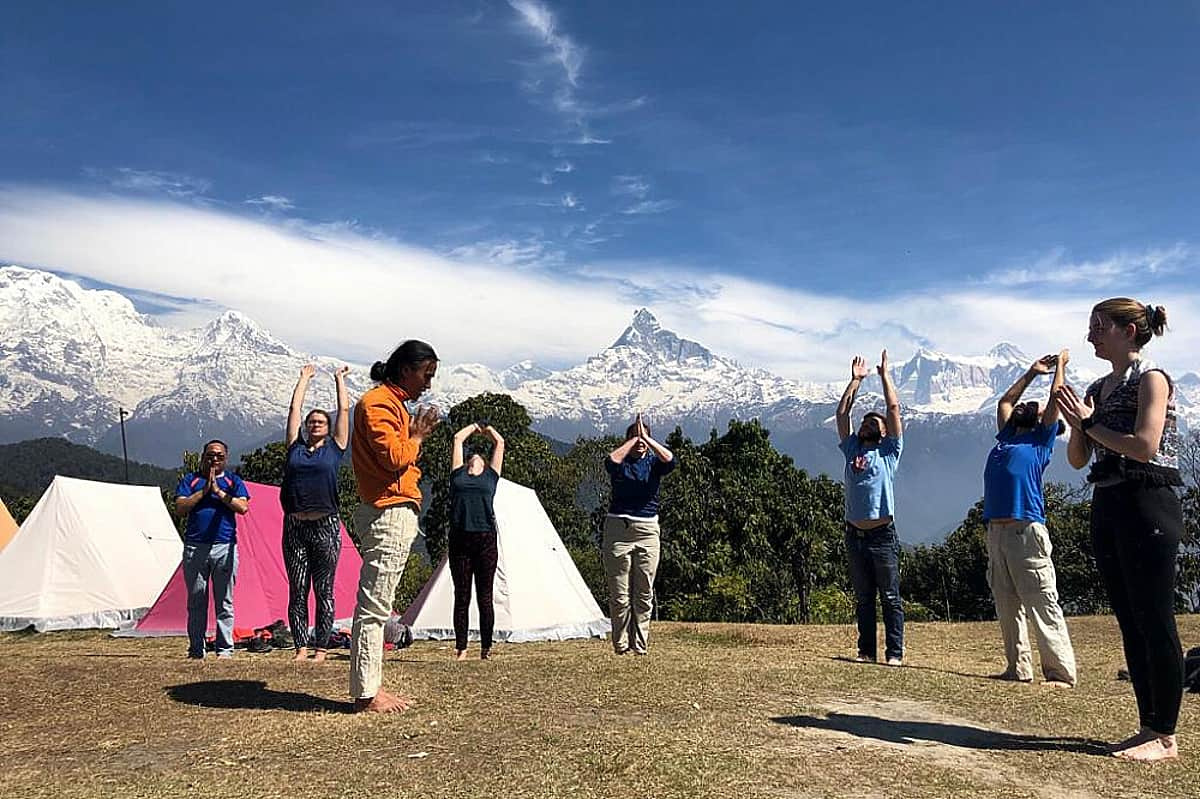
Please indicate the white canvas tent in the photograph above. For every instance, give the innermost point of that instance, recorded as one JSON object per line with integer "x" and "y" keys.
{"x": 538, "y": 593}
{"x": 89, "y": 555}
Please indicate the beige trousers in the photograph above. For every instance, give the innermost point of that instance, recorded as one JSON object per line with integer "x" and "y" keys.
{"x": 1023, "y": 584}
{"x": 630, "y": 552}
{"x": 385, "y": 538}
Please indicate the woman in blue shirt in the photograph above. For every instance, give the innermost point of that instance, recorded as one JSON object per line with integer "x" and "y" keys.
{"x": 312, "y": 530}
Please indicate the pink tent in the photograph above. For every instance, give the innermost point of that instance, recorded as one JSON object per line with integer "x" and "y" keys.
{"x": 260, "y": 595}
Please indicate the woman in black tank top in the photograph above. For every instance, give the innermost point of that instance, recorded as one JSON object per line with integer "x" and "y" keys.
{"x": 1126, "y": 424}
{"x": 472, "y": 547}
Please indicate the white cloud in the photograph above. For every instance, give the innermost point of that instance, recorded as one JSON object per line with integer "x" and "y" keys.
{"x": 631, "y": 186}
{"x": 274, "y": 202}
{"x": 545, "y": 179}
{"x": 649, "y": 207}
{"x": 173, "y": 184}
{"x": 564, "y": 167}
{"x": 569, "y": 200}
{"x": 564, "y": 51}
{"x": 374, "y": 291}
{"x": 1056, "y": 268}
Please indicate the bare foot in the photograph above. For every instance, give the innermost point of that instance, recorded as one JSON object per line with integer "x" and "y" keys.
{"x": 1057, "y": 684}
{"x": 1010, "y": 675}
{"x": 383, "y": 702}
{"x": 1138, "y": 738}
{"x": 461, "y": 655}
{"x": 1161, "y": 747}
{"x": 301, "y": 653}
{"x": 319, "y": 655}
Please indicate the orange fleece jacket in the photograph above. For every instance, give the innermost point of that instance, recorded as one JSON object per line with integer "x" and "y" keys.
{"x": 384, "y": 457}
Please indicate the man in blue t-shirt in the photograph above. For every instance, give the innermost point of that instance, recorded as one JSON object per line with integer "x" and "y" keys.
{"x": 872, "y": 547}
{"x": 212, "y": 499}
{"x": 1020, "y": 571}
{"x": 630, "y": 547}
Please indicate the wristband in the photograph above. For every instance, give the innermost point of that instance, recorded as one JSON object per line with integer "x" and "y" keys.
{"x": 1087, "y": 423}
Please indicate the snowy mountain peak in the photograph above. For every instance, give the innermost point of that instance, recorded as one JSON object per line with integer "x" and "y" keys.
{"x": 235, "y": 329}
{"x": 1004, "y": 351}
{"x": 646, "y": 335}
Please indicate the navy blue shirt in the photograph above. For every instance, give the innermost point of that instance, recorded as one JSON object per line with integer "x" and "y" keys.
{"x": 310, "y": 478}
{"x": 635, "y": 485}
{"x": 211, "y": 521}
{"x": 1012, "y": 479}
{"x": 472, "y": 497}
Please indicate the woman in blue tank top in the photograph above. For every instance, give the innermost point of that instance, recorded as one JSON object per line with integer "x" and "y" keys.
{"x": 312, "y": 529}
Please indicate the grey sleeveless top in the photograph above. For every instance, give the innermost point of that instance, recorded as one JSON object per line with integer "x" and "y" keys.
{"x": 1118, "y": 412}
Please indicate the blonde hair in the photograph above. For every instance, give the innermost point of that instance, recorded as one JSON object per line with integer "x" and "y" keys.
{"x": 1150, "y": 320}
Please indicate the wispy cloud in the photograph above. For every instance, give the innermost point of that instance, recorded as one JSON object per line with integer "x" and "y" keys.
{"x": 545, "y": 179}
{"x": 564, "y": 166}
{"x": 173, "y": 184}
{"x": 649, "y": 207}
{"x": 631, "y": 186}
{"x": 274, "y": 202}
{"x": 1057, "y": 268}
{"x": 563, "y": 50}
{"x": 569, "y": 200}
{"x": 509, "y": 252}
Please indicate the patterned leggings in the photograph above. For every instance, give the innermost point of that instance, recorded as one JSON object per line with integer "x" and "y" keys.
{"x": 310, "y": 551}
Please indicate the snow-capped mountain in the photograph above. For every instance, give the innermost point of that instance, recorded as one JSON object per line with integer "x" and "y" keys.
{"x": 70, "y": 357}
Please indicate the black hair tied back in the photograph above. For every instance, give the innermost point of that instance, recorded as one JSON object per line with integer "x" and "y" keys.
{"x": 378, "y": 370}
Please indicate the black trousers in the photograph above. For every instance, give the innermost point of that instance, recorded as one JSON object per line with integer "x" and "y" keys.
{"x": 473, "y": 555}
{"x": 311, "y": 548}
{"x": 1135, "y": 534}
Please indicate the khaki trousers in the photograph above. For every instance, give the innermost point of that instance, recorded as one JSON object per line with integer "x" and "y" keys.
{"x": 385, "y": 538}
{"x": 630, "y": 552}
{"x": 1023, "y": 583}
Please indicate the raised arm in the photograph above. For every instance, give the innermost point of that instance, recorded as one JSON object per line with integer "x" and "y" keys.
{"x": 618, "y": 455}
{"x": 858, "y": 371}
{"x": 456, "y": 447}
{"x": 662, "y": 453}
{"x": 1051, "y": 412}
{"x": 341, "y": 425}
{"x": 890, "y": 399}
{"x": 1140, "y": 445}
{"x": 497, "y": 448}
{"x": 1004, "y": 409}
{"x": 296, "y": 409}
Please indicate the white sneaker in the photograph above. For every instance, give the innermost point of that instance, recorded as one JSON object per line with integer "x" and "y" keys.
{"x": 895, "y": 662}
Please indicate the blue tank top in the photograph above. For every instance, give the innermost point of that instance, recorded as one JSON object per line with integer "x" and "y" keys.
{"x": 310, "y": 478}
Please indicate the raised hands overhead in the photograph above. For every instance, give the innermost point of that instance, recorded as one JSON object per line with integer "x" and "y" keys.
{"x": 858, "y": 368}
{"x": 307, "y": 371}
{"x": 882, "y": 368}
{"x": 1044, "y": 365}
{"x": 341, "y": 372}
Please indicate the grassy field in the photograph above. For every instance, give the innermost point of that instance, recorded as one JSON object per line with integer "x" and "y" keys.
{"x": 714, "y": 711}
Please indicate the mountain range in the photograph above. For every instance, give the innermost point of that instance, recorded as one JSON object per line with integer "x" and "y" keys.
{"x": 72, "y": 357}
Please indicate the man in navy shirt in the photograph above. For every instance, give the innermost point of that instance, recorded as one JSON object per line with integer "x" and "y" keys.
{"x": 630, "y": 547}
{"x": 1020, "y": 571}
{"x": 211, "y": 499}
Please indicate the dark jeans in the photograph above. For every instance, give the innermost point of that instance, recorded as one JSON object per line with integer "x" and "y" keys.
{"x": 874, "y": 557}
{"x": 311, "y": 548}
{"x": 1135, "y": 535}
{"x": 473, "y": 554}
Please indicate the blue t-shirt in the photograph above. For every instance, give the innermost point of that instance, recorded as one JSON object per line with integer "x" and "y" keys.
{"x": 1012, "y": 479}
{"x": 870, "y": 477}
{"x": 310, "y": 478}
{"x": 211, "y": 521}
{"x": 635, "y": 485}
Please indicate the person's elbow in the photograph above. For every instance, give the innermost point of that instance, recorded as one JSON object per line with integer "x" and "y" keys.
{"x": 1144, "y": 450}
{"x": 1077, "y": 460}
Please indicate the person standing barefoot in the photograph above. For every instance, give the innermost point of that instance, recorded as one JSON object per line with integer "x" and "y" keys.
{"x": 1126, "y": 422}
{"x": 386, "y": 443}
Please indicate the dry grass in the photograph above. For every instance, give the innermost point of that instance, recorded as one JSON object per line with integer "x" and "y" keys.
{"x": 716, "y": 710}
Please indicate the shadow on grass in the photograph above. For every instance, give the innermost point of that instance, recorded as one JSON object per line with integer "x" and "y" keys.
{"x": 910, "y": 732}
{"x": 251, "y": 695}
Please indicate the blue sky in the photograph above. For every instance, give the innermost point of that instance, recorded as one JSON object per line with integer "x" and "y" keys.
{"x": 784, "y": 182}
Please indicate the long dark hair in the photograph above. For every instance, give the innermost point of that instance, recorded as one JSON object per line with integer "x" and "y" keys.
{"x": 411, "y": 353}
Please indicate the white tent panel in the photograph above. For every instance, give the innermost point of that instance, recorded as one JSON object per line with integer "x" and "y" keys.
{"x": 89, "y": 555}
{"x": 538, "y": 593}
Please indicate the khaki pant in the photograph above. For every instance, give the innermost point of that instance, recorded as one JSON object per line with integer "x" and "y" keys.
{"x": 630, "y": 553}
{"x": 1022, "y": 579}
{"x": 385, "y": 538}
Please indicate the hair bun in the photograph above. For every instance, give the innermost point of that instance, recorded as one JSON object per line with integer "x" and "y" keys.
{"x": 1156, "y": 315}
{"x": 378, "y": 370}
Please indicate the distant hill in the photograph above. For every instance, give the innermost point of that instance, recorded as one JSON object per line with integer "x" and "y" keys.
{"x": 28, "y": 467}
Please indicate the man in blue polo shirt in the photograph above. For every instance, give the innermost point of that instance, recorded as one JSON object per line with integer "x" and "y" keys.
{"x": 872, "y": 546}
{"x": 1020, "y": 571}
{"x": 211, "y": 499}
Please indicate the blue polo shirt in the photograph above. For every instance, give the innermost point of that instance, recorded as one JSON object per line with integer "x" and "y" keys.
{"x": 310, "y": 478}
{"x": 1012, "y": 479}
{"x": 870, "y": 477}
{"x": 635, "y": 485}
{"x": 211, "y": 521}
